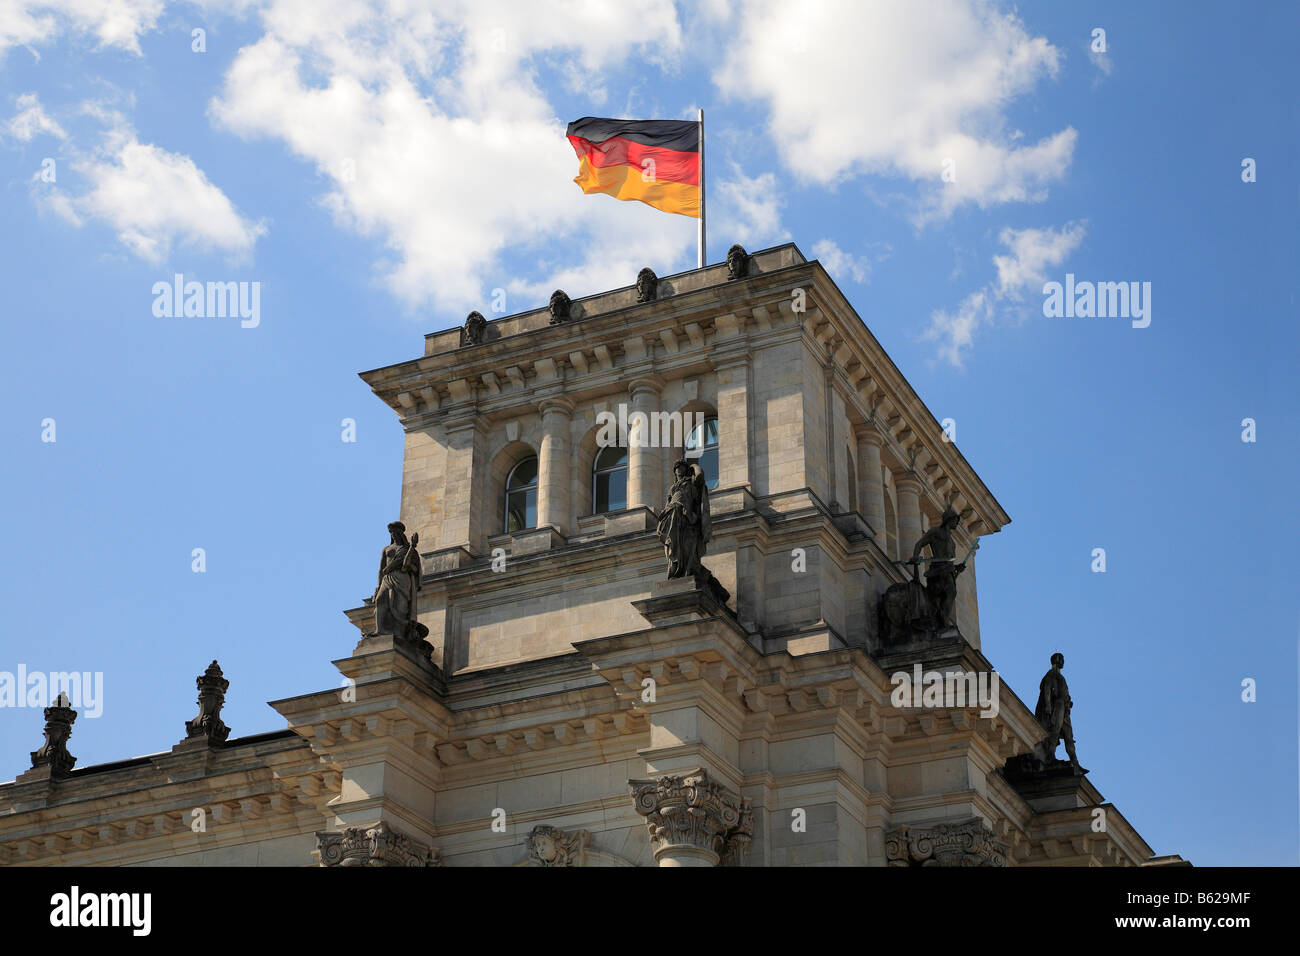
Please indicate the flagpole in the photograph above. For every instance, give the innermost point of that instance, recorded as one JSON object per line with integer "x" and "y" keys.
{"x": 701, "y": 258}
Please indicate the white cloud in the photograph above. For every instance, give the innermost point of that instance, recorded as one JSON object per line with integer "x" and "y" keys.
{"x": 1032, "y": 252}
{"x": 31, "y": 120}
{"x": 113, "y": 23}
{"x": 745, "y": 209}
{"x": 155, "y": 199}
{"x": 856, "y": 87}
{"x": 841, "y": 264}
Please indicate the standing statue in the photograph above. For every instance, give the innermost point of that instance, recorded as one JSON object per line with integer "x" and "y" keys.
{"x": 941, "y": 575}
{"x": 1053, "y": 712}
{"x": 399, "y": 580}
{"x": 685, "y": 525}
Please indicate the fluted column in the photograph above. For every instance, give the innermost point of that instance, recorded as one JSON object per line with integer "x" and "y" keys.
{"x": 908, "y": 487}
{"x": 693, "y": 820}
{"x": 553, "y": 465}
{"x": 871, "y": 482}
{"x": 644, "y": 486}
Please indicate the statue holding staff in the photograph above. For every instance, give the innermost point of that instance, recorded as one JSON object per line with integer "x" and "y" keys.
{"x": 685, "y": 525}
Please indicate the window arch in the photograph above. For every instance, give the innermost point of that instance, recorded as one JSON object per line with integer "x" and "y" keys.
{"x": 521, "y": 496}
{"x": 702, "y": 449}
{"x": 609, "y": 480}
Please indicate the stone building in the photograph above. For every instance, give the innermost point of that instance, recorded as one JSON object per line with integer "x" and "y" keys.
{"x": 569, "y": 705}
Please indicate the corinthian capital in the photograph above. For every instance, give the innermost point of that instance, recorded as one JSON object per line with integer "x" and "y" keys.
{"x": 968, "y": 843}
{"x": 692, "y": 820}
{"x": 375, "y": 845}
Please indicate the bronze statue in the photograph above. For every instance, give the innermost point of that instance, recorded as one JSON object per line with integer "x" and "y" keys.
{"x": 1053, "y": 712}
{"x": 685, "y": 525}
{"x": 737, "y": 262}
{"x": 559, "y": 307}
{"x": 472, "y": 333}
{"x": 941, "y": 575}
{"x": 647, "y": 285}
{"x": 399, "y": 580}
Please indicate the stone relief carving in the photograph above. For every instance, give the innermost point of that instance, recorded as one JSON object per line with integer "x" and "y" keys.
{"x": 375, "y": 845}
{"x": 551, "y": 846}
{"x": 969, "y": 843}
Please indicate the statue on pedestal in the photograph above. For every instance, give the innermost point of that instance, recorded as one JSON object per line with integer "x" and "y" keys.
{"x": 685, "y": 527}
{"x": 399, "y": 581}
{"x": 1053, "y": 712}
{"x": 911, "y": 608}
{"x": 212, "y": 688}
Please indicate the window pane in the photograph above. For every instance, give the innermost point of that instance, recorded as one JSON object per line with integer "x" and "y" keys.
{"x": 521, "y": 510}
{"x": 708, "y": 463}
{"x": 609, "y": 457}
{"x": 704, "y": 435}
{"x": 524, "y": 473}
{"x": 611, "y": 491}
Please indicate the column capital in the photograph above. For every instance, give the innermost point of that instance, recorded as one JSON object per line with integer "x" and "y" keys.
{"x": 654, "y": 386}
{"x": 968, "y": 843}
{"x": 374, "y": 845}
{"x": 692, "y": 820}
{"x": 556, "y": 403}
{"x": 910, "y": 482}
{"x": 871, "y": 432}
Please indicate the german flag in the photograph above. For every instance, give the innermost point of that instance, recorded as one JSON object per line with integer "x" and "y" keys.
{"x": 656, "y": 162}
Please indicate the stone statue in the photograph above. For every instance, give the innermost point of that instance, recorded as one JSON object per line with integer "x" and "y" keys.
{"x": 472, "y": 333}
{"x": 685, "y": 525}
{"x": 1053, "y": 712}
{"x": 399, "y": 580}
{"x": 647, "y": 285}
{"x": 212, "y": 697}
{"x": 59, "y": 719}
{"x": 941, "y": 575}
{"x": 559, "y": 307}
{"x": 737, "y": 262}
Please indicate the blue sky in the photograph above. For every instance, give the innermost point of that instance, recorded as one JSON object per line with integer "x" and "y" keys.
{"x": 380, "y": 172}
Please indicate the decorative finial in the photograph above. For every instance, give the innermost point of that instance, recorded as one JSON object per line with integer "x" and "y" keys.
{"x": 58, "y": 728}
{"x": 212, "y": 697}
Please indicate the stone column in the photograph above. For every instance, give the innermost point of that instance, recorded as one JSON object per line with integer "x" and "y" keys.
{"x": 553, "y": 465}
{"x": 644, "y": 467}
{"x": 692, "y": 820}
{"x": 871, "y": 482}
{"x": 908, "y": 487}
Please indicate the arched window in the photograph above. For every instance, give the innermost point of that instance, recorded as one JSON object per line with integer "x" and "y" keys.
{"x": 609, "y": 480}
{"x": 521, "y": 496}
{"x": 702, "y": 449}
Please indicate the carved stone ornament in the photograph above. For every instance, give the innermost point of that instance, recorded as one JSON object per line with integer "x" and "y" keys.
{"x": 559, "y": 307}
{"x": 551, "y": 846}
{"x": 59, "y": 719}
{"x": 737, "y": 262}
{"x": 212, "y": 697}
{"x": 375, "y": 845}
{"x": 472, "y": 333}
{"x": 693, "y": 820}
{"x": 969, "y": 843}
{"x": 647, "y": 285}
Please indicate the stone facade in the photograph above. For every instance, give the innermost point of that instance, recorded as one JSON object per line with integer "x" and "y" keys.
{"x": 572, "y": 707}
